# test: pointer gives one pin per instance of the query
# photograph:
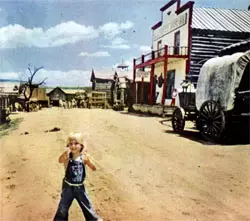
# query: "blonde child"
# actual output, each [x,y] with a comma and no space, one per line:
[74,160]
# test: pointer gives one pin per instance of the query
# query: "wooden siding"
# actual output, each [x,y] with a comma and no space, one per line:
[206,45]
[39,94]
[104,87]
[7,101]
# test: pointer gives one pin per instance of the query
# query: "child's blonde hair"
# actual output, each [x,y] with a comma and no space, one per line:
[78,137]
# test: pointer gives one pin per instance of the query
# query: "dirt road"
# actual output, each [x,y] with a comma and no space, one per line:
[145,172]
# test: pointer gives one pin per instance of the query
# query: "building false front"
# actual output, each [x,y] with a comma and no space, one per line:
[156,74]
[184,39]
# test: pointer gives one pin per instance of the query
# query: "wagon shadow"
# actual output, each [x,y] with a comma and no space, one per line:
[242,139]
[191,135]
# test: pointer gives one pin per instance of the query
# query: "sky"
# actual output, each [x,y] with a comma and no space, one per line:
[69,38]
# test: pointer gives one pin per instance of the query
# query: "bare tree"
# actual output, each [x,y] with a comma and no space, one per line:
[28,87]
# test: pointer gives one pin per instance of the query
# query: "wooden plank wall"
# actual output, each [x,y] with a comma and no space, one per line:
[207,45]
[4,101]
[104,87]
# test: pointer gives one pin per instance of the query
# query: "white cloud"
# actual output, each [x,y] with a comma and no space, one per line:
[55,77]
[65,78]
[14,36]
[144,48]
[95,54]
[123,46]
[117,43]
[10,75]
[112,29]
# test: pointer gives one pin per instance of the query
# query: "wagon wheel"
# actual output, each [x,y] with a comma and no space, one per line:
[178,121]
[211,121]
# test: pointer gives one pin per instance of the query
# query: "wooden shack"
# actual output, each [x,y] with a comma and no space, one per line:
[39,96]
[55,95]
[60,93]
[102,82]
[8,93]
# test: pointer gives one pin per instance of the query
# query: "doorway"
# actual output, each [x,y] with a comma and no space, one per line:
[170,83]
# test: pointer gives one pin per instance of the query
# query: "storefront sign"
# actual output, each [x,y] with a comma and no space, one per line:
[142,74]
[170,26]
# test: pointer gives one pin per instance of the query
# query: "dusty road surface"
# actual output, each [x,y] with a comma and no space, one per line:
[145,172]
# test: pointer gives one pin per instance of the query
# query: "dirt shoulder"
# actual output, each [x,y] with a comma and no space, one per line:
[145,172]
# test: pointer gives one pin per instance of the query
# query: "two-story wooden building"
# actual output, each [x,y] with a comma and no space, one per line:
[183,40]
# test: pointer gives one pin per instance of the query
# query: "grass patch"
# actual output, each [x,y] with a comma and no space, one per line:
[9,126]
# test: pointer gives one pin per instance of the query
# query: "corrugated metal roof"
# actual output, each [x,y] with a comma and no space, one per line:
[232,20]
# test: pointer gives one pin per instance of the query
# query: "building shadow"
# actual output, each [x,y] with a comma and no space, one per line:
[137,114]
[14,113]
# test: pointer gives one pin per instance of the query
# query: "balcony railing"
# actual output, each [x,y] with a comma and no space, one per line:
[172,51]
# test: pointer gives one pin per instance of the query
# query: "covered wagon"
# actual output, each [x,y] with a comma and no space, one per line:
[221,99]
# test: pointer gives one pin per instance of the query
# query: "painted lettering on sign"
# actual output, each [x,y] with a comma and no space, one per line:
[142,74]
[170,26]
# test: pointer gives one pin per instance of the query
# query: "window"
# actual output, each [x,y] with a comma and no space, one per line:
[159,46]
[177,42]
[170,83]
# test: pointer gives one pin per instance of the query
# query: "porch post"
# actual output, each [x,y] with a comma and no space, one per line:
[165,73]
[152,95]
[142,90]
[134,84]
[142,82]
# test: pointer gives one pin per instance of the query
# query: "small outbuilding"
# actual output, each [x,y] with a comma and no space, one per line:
[63,94]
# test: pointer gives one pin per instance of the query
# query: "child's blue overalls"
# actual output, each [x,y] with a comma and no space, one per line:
[73,188]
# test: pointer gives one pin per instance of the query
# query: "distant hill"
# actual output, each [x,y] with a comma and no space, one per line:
[84,88]
[9,80]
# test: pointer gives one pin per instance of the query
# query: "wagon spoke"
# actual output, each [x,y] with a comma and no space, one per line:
[203,115]
[219,116]
[202,119]
[213,131]
[205,110]
[209,130]
[217,122]
[213,111]
[209,108]
[216,126]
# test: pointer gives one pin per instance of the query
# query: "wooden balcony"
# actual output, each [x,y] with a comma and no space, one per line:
[159,55]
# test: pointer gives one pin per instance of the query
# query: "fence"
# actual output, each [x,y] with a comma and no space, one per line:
[97,99]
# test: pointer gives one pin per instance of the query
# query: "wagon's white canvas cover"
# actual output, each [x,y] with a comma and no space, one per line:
[219,77]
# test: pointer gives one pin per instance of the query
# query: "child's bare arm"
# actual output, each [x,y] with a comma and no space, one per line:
[64,157]
[88,162]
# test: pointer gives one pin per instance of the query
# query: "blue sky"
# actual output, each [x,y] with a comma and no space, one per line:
[69,37]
